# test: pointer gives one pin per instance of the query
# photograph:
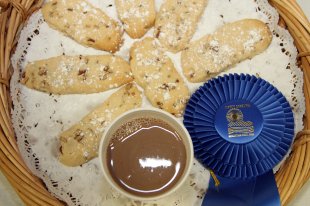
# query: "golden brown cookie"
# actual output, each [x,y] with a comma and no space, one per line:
[230,44]
[84,23]
[155,72]
[77,74]
[176,22]
[80,143]
[138,16]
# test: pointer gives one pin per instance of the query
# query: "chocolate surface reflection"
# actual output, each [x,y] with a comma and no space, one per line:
[146,157]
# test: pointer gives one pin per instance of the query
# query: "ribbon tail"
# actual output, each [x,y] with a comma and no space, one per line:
[229,192]
[266,192]
[259,191]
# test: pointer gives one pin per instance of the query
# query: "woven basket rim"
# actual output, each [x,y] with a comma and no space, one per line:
[290,178]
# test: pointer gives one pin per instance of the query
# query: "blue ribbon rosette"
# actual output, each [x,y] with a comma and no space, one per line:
[241,127]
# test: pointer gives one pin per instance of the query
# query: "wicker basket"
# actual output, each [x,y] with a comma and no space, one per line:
[293,174]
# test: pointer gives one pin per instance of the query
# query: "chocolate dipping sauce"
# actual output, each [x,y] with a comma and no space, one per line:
[146,157]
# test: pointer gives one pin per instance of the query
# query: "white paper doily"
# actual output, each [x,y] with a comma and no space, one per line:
[38,118]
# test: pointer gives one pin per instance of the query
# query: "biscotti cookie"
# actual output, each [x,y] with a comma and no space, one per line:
[80,143]
[138,16]
[83,23]
[77,74]
[176,22]
[155,72]
[232,43]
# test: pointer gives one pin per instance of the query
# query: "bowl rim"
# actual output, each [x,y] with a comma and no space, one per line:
[186,140]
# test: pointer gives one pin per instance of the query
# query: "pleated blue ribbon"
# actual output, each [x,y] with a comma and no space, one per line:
[241,127]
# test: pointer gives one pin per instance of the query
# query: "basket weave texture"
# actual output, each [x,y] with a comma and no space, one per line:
[290,178]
